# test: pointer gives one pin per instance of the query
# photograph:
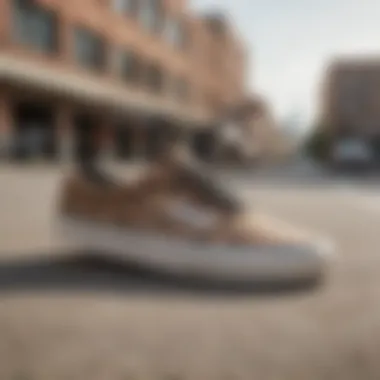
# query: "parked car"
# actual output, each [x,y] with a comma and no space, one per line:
[352,155]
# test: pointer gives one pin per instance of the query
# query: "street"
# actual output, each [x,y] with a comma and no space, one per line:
[65,318]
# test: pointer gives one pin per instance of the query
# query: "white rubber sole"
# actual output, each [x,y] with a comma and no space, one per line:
[210,261]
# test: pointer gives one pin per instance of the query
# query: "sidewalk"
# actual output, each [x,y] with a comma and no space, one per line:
[28,200]
[27,206]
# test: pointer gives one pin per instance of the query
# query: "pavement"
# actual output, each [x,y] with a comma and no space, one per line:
[63,317]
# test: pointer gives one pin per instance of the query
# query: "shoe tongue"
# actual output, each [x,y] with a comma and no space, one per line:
[189,174]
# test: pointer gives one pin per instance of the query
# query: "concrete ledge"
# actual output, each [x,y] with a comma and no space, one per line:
[94,90]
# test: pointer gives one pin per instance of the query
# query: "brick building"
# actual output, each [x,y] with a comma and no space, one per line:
[118,72]
[350,106]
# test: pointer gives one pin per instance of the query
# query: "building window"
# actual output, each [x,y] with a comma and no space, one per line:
[129,66]
[34,26]
[175,33]
[90,49]
[217,25]
[181,89]
[155,78]
[151,15]
[126,6]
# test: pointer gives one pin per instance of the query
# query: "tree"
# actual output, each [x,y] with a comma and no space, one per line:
[318,144]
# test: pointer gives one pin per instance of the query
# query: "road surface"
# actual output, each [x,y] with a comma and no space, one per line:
[70,319]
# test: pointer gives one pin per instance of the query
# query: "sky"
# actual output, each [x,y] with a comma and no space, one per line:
[291,41]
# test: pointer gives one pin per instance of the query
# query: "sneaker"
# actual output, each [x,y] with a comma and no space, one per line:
[177,218]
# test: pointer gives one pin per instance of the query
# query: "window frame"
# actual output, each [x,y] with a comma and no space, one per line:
[32,16]
[156,20]
[137,67]
[155,78]
[175,32]
[126,7]
[101,62]
[182,89]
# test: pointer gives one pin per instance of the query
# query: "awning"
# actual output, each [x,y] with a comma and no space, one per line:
[99,91]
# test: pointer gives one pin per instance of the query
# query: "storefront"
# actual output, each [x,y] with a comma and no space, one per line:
[57,130]
[50,117]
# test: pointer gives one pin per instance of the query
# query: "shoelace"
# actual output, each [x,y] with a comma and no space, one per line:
[191,175]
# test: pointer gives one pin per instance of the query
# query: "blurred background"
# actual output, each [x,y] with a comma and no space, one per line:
[122,73]
[280,98]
